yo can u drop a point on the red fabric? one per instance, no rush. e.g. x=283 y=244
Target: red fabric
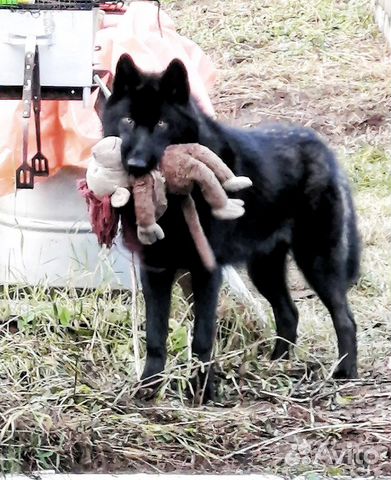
x=105 y=220
x=103 y=217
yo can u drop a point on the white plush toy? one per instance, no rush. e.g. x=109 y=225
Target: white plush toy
x=105 y=173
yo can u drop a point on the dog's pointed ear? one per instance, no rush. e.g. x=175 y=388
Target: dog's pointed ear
x=175 y=83
x=127 y=75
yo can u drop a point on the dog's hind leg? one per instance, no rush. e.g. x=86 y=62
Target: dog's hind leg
x=325 y=246
x=268 y=273
x=326 y=274
x=206 y=286
x=322 y=245
x=157 y=294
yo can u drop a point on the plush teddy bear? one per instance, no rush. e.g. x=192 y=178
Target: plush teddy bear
x=181 y=167
x=105 y=173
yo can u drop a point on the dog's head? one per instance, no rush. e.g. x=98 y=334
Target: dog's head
x=149 y=112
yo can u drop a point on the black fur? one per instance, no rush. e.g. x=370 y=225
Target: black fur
x=300 y=202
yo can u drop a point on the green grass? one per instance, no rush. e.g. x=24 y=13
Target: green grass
x=369 y=170
x=69 y=362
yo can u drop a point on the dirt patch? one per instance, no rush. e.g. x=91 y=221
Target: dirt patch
x=321 y=426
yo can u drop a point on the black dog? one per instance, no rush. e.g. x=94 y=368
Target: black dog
x=300 y=202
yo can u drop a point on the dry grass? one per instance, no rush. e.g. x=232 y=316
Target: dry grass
x=68 y=366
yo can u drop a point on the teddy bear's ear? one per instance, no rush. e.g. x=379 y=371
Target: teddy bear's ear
x=118 y=143
x=127 y=76
x=106 y=145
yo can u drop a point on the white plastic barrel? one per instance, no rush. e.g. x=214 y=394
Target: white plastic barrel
x=46 y=238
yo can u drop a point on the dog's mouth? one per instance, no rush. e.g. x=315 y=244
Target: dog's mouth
x=136 y=166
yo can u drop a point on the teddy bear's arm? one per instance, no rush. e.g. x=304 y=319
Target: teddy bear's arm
x=148 y=231
x=225 y=175
x=204 y=155
x=143 y=201
x=183 y=171
x=120 y=197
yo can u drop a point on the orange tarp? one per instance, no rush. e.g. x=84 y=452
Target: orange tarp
x=69 y=130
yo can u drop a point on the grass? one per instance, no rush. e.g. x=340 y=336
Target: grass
x=69 y=365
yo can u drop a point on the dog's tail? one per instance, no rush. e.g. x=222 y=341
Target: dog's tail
x=322 y=168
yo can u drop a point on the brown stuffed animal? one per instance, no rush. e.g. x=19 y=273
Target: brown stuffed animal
x=181 y=167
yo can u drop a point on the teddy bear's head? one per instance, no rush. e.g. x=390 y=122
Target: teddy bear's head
x=105 y=173
x=107 y=152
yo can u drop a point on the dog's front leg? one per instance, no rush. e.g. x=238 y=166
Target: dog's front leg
x=157 y=294
x=206 y=286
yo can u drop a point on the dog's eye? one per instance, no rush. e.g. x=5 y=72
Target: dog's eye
x=162 y=124
x=127 y=121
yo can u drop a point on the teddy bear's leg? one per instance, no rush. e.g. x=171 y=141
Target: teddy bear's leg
x=223 y=207
x=233 y=209
x=149 y=235
x=234 y=184
x=197 y=232
x=225 y=175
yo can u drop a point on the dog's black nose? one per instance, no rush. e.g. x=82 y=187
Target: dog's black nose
x=136 y=166
x=136 y=162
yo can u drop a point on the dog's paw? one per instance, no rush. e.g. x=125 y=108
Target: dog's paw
x=281 y=350
x=345 y=372
x=201 y=395
x=148 y=386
